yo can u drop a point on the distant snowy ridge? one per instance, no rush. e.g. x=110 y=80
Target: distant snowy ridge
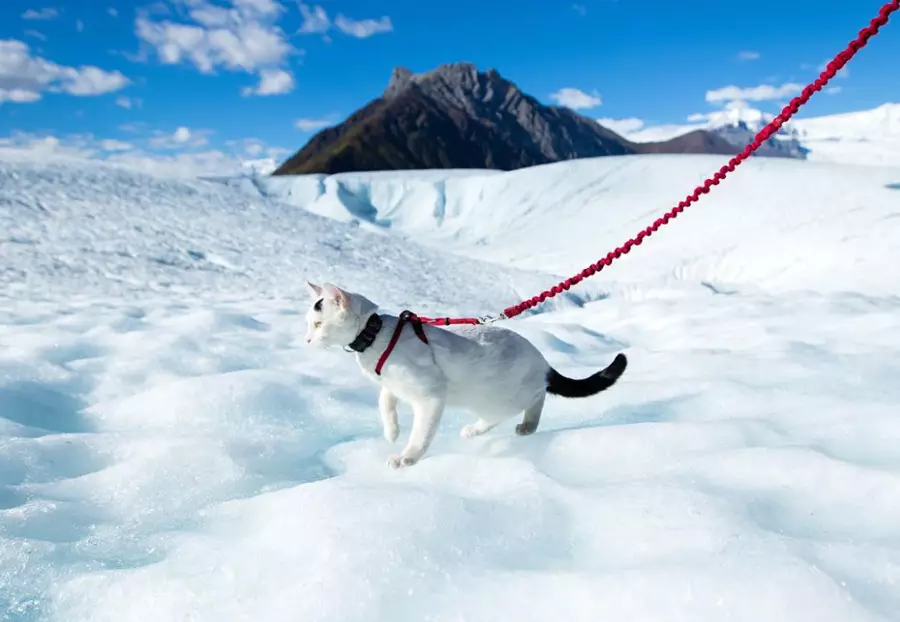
x=870 y=137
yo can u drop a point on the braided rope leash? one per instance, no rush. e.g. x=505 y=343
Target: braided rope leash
x=761 y=137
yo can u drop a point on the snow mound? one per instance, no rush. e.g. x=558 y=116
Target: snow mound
x=170 y=449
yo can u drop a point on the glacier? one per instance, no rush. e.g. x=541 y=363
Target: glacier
x=170 y=448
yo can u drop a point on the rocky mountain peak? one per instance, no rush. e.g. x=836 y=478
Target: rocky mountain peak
x=401 y=77
x=453 y=83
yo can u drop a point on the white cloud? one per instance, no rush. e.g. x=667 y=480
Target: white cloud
x=311 y=125
x=87 y=81
x=576 y=99
x=41 y=146
x=112 y=144
x=123 y=101
x=316 y=21
x=41 y=14
x=272 y=82
x=185 y=165
x=832 y=90
x=182 y=138
x=243 y=37
x=262 y=7
x=748 y=55
x=18 y=96
x=250 y=154
x=248 y=47
x=255 y=148
x=113 y=12
x=23 y=77
x=363 y=28
x=762 y=92
x=36 y=35
x=732 y=112
x=622 y=127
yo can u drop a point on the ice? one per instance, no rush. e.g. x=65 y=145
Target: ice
x=170 y=448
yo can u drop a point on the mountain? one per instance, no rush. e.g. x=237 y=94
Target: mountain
x=696 y=141
x=453 y=117
x=869 y=137
x=457 y=117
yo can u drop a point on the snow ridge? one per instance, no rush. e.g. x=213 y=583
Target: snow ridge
x=868 y=137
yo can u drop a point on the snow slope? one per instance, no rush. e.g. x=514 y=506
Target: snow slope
x=171 y=450
x=865 y=137
x=773 y=225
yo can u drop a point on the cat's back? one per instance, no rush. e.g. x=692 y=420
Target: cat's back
x=487 y=342
x=490 y=369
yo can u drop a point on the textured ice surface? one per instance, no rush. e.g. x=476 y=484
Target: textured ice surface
x=171 y=450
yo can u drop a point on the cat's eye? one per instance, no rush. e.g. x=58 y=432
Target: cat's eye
x=317 y=325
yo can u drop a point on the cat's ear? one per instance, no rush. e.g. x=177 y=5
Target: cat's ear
x=339 y=296
x=314 y=290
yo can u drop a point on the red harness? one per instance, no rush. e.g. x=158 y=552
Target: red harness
x=406 y=316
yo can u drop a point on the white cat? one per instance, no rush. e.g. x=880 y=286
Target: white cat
x=491 y=371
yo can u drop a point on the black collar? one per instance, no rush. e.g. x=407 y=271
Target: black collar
x=369 y=333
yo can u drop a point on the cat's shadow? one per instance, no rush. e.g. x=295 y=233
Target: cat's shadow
x=503 y=443
x=627 y=414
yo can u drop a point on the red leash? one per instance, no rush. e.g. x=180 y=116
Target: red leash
x=764 y=134
x=406 y=316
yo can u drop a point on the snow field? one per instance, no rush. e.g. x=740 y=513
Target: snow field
x=175 y=451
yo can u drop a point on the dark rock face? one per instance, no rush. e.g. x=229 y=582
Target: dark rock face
x=457 y=117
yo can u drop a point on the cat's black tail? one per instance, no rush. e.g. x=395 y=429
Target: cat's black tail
x=557 y=384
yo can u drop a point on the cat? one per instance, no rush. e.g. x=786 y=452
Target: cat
x=488 y=370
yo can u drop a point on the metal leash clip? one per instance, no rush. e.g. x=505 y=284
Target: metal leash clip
x=490 y=319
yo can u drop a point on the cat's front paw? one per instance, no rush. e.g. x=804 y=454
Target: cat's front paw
x=399 y=462
x=391 y=433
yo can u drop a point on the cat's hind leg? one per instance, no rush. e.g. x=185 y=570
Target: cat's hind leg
x=477 y=429
x=532 y=417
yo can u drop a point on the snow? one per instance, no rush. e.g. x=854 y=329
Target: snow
x=837 y=241
x=866 y=137
x=170 y=449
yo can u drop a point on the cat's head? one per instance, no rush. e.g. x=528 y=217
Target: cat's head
x=335 y=316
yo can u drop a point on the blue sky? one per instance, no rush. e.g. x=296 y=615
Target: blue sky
x=167 y=77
